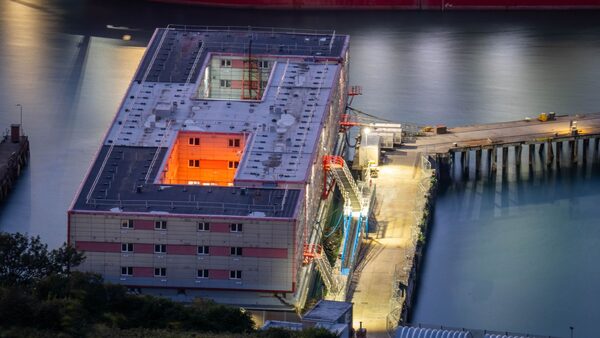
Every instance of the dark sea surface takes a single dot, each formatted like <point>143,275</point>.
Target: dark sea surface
<point>518,253</point>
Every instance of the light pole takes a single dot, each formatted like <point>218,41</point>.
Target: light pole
<point>21,115</point>
<point>570,327</point>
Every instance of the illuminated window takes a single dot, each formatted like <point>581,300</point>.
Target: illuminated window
<point>193,182</point>
<point>234,142</point>
<point>235,274</point>
<point>160,248</point>
<point>126,247</point>
<point>226,83</point>
<point>235,227</point>
<point>160,225</point>
<point>126,271</point>
<point>160,272</point>
<point>194,163</point>
<point>202,273</point>
<point>236,251</point>
<point>203,250</point>
<point>194,141</point>
<point>203,226</point>
<point>233,164</point>
<point>127,224</point>
<point>225,63</point>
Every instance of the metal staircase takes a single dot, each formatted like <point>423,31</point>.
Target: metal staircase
<point>337,166</point>
<point>326,271</point>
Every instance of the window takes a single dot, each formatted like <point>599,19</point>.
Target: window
<point>160,225</point>
<point>126,247</point>
<point>202,273</point>
<point>263,64</point>
<point>160,248</point>
<point>225,63</point>
<point>234,142</point>
<point>233,164</point>
<point>264,84</point>
<point>235,227</point>
<point>160,272</point>
<point>225,83</point>
<point>203,226</point>
<point>127,223</point>
<point>203,250</point>
<point>126,271</point>
<point>235,274</point>
<point>194,163</point>
<point>194,182</point>
<point>194,141</point>
<point>236,251</point>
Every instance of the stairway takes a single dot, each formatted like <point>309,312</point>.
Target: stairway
<point>326,271</point>
<point>338,167</point>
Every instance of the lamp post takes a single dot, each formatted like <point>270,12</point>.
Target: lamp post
<point>21,115</point>
<point>571,328</point>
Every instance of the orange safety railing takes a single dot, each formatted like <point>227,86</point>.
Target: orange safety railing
<point>311,251</point>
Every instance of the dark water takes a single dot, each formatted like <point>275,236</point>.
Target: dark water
<point>516,254</point>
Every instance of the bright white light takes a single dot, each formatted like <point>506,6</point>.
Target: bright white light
<point>367,130</point>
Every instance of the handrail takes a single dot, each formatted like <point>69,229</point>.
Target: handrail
<point>281,30</point>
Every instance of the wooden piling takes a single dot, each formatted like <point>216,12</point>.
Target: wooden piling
<point>494,159</point>
<point>559,147</point>
<point>518,153</point>
<point>478,160</point>
<point>531,154</point>
<point>586,147</point>
<point>504,158</point>
<point>549,154</point>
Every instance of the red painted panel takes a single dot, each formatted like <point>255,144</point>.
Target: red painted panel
<point>143,271</point>
<point>236,84</point>
<point>143,248</point>
<point>142,224</point>
<point>177,249</point>
<point>98,246</point>
<point>219,227</point>
<point>218,274</point>
<point>219,251</point>
<point>237,63</point>
<point>265,252</point>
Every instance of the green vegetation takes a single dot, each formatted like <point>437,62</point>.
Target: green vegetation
<point>40,296</point>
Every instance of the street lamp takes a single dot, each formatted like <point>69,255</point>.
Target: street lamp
<point>21,115</point>
<point>570,327</point>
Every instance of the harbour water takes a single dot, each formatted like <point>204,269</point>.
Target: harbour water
<point>512,254</point>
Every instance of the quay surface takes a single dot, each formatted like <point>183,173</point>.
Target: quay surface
<point>486,136</point>
<point>14,155</point>
<point>388,255</point>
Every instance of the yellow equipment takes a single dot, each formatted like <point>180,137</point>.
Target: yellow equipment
<point>543,117</point>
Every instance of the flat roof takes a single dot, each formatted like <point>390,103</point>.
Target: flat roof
<point>283,127</point>
<point>327,311</point>
<point>125,171</point>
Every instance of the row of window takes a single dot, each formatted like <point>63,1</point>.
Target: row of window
<point>232,142</point>
<point>196,164</point>
<point>162,272</point>
<point>202,226</point>
<point>227,83</point>
<point>261,63</point>
<point>202,249</point>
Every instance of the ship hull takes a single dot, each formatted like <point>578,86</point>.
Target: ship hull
<point>396,4</point>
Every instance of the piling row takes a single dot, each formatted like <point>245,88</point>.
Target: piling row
<point>550,152</point>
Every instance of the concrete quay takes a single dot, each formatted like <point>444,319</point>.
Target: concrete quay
<point>387,257</point>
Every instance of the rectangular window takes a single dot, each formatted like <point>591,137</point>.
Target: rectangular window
<point>234,142</point>
<point>202,273</point>
<point>160,248</point>
<point>160,272</point>
<point>126,247</point>
<point>225,83</point>
<point>126,271</point>
<point>236,251</point>
<point>194,141</point>
<point>160,225</point>
<point>127,224</point>
<point>233,164</point>
<point>194,163</point>
<point>235,227</point>
<point>203,250</point>
<point>203,226</point>
<point>263,64</point>
<point>225,63</point>
<point>235,274</point>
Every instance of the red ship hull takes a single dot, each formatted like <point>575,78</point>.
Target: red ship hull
<point>396,4</point>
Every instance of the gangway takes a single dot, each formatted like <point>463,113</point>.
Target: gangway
<point>339,169</point>
<point>314,253</point>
